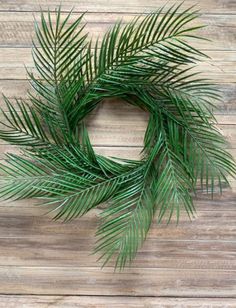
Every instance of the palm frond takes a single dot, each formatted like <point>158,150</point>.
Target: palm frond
<point>18,177</point>
<point>157,40</point>
<point>59,56</point>
<point>125,224</point>
<point>74,195</point>
<point>23,126</point>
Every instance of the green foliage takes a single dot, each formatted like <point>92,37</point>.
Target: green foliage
<point>148,63</point>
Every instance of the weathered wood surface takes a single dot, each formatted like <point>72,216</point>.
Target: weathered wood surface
<point>114,6</point>
<point>40,257</point>
<point>17,28</point>
<point>221,66</point>
<point>114,301</point>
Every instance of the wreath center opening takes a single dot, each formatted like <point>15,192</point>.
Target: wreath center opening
<point>117,128</point>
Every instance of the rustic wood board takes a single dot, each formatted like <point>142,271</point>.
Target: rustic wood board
<point>114,6</point>
<point>16,29</point>
<point>31,301</point>
<point>43,262</point>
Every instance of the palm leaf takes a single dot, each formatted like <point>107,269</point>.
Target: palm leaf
<point>24,126</point>
<point>125,224</point>
<point>59,56</point>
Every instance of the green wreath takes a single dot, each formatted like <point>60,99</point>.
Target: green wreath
<point>148,63</point>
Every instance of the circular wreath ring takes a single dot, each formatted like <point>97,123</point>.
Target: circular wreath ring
<point>148,63</point>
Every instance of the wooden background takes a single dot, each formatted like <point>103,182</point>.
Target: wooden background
<point>45,263</point>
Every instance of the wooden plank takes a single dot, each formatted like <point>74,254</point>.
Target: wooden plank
<point>203,202</point>
<point>12,301</point>
<point>136,282</point>
<point>117,109</point>
<point>116,6</point>
<point>221,68</point>
<point>29,238</point>
<point>19,221</point>
<point>16,29</point>
<point>19,88</point>
<point>17,57</point>
<point>76,251</point>
<point>222,72</point>
<point>218,72</point>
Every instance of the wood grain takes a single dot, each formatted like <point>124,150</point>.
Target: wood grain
<point>22,221</point>
<point>112,301</point>
<point>76,251</point>
<point>220,68</point>
<point>137,282</point>
<point>18,88</point>
<point>115,6</point>
<point>16,29</point>
<point>29,237</point>
<point>226,107</point>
